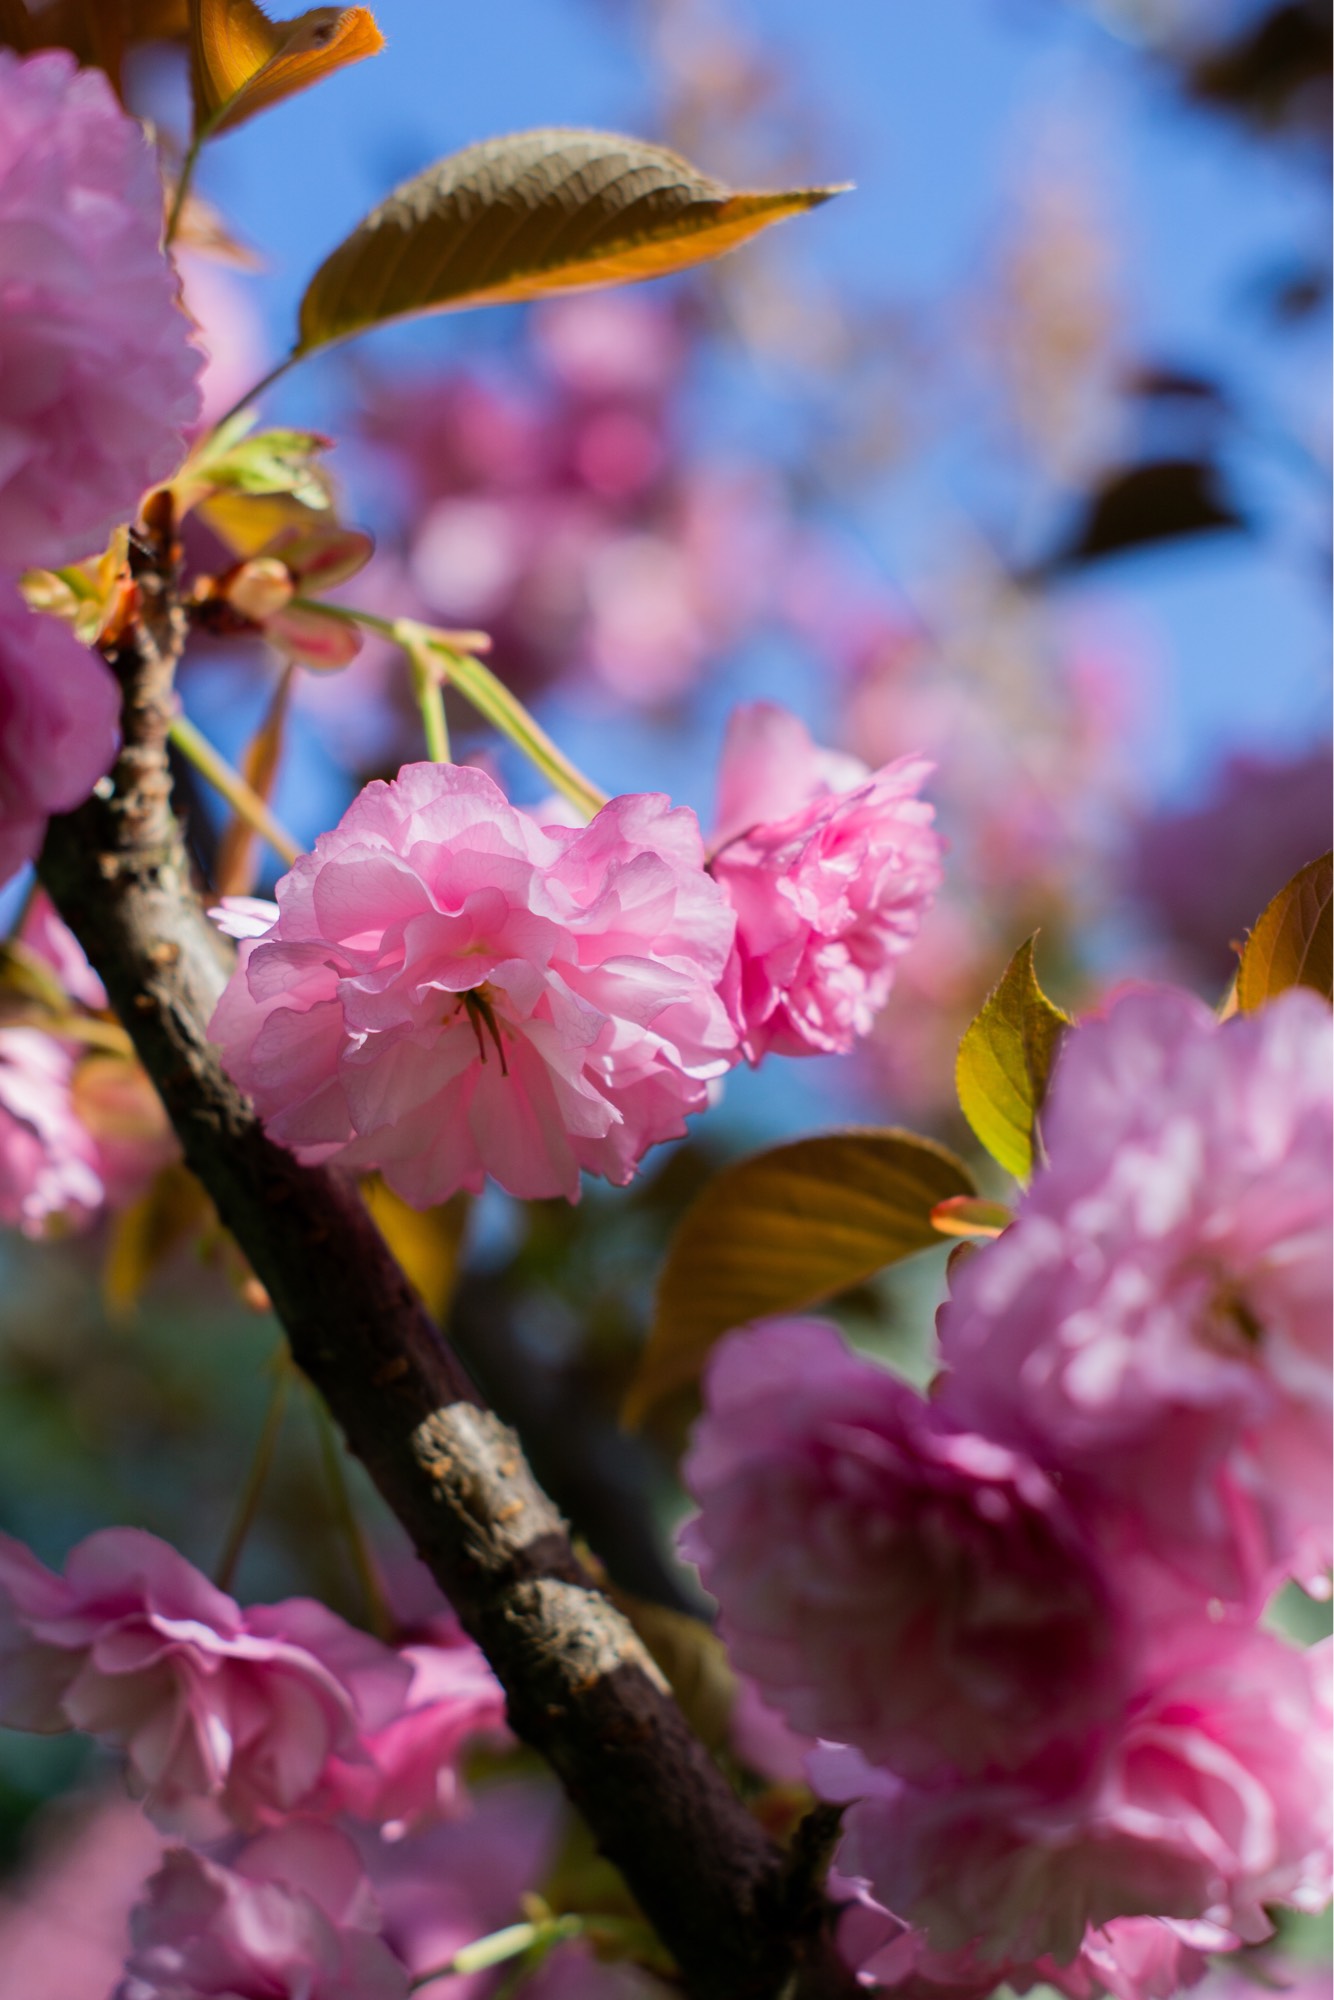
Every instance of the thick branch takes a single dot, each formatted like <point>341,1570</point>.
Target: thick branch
<point>580,1687</point>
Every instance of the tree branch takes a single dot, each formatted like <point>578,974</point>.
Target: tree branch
<point>580,1687</point>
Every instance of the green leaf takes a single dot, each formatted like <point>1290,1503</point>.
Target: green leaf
<point>1293,942</point>
<point>1004,1061</point>
<point>777,1232</point>
<point>519,217</point>
<point>270,462</point>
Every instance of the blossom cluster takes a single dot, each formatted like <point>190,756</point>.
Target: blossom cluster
<point>98,378</point>
<point>1019,1617</point>
<point>447,990</point>
<point>316,1836</point>
<point>98,383</point>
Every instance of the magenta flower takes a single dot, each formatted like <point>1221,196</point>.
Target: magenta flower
<point>1156,1323</point>
<point>452,991</point>
<point>408,1771</point>
<point>59,716</point>
<point>830,869</point>
<point>293,1918</point>
<point>98,375</point>
<point>48,1162</point>
<point>1212,1802</point>
<point>888,1581</point>
<point>220,1712</point>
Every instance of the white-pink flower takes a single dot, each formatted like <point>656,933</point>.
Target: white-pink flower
<point>1156,1324</point>
<point>48,1162</point>
<point>59,717</point>
<point>452,991</point>
<point>98,376</point>
<point>830,868</point>
<point>293,1918</point>
<point>220,1712</point>
<point>891,1582</point>
<point>1212,1802</point>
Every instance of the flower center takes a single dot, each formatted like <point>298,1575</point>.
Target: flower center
<point>479,1005</point>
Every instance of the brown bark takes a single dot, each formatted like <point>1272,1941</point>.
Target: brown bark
<point>580,1687</point>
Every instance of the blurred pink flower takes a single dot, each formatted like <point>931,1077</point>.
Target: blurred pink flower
<point>1212,1802</point>
<point>131,1135</point>
<point>45,933</point>
<point>461,1879</point>
<point>452,991</point>
<point>219,1712</point>
<point>98,376</point>
<point>48,1162</point>
<point>889,1582</point>
<point>293,1918</point>
<point>1131,1958</point>
<point>64,1915</point>
<point>59,716</point>
<point>829,868</point>
<point>408,1770</point>
<point>1156,1322</point>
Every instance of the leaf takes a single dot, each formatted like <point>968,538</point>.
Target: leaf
<point>968,1216</point>
<point>1156,502</point>
<point>1004,1060</point>
<point>1293,942</point>
<point>538,212</point>
<point>144,1235</point>
<point>426,1242</point>
<point>247,523</point>
<point>286,462</point>
<point>242,62</point>
<point>778,1232</point>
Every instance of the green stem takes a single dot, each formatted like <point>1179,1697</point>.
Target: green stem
<point>244,800</point>
<point>345,1514</point>
<point>247,1506</point>
<point>513,1942</point>
<point>256,390</point>
<point>184,178</point>
<point>488,694</point>
<point>429,688</point>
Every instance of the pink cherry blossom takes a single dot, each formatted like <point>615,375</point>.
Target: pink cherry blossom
<point>408,1770</point>
<point>220,1712</point>
<point>1156,1323</point>
<point>830,868</point>
<point>49,938</point>
<point>461,1879</point>
<point>1131,1958</point>
<point>98,376</point>
<point>124,1118</point>
<point>59,714</point>
<point>64,1914</point>
<point>48,1162</point>
<point>890,1582</point>
<point>293,1918</point>
<point>452,991</point>
<point>1212,1803</point>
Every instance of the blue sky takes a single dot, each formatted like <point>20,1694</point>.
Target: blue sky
<point>927,108</point>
